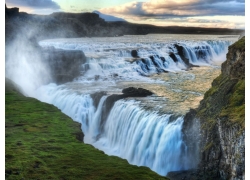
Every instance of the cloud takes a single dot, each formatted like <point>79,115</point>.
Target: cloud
<point>200,21</point>
<point>35,4</point>
<point>179,8</point>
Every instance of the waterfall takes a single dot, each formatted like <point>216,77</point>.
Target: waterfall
<point>110,59</point>
<point>142,137</point>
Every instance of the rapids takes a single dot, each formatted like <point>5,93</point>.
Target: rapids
<point>145,131</point>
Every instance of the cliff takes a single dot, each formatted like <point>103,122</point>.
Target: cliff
<point>66,25</point>
<point>43,143</point>
<point>222,118</point>
<point>215,131</point>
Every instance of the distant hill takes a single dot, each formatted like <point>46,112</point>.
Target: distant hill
<point>108,18</point>
<point>72,25</point>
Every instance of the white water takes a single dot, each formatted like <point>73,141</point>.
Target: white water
<point>143,137</point>
<point>110,58</point>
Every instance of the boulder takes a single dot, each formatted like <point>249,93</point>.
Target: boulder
<point>134,92</point>
<point>134,54</point>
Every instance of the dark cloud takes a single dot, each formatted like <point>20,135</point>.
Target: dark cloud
<point>36,4</point>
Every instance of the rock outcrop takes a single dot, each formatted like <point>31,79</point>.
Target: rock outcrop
<point>111,99</point>
<point>221,122</point>
<point>65,65</point>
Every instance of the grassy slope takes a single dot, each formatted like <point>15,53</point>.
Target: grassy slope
<point>226,98</point>
<point>40,143</point>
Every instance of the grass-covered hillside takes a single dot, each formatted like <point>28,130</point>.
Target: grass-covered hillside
<point>42,143</point>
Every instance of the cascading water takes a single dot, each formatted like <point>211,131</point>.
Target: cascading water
<point>106,60</point>
<point>143,137</point>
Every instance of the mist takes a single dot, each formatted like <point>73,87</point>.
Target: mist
<point>24,63</point>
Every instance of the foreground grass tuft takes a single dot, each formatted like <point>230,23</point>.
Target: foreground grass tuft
<point>41,143</point>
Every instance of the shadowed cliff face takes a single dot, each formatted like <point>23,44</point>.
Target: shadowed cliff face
<point>221,117</point>
<point>66,25</point>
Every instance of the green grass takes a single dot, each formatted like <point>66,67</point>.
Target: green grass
<point>240,44</point>
<point>41,143</point>
<point>235,109</point>
<point>224,100</point>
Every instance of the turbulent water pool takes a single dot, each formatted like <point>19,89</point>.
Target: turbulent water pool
<point>140,130</point>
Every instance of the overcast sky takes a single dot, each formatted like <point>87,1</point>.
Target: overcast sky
<point>199,13</point>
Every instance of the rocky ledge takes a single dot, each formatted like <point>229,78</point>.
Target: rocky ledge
<point>215,131</point>
<point>111,99</point>
<point>65,65</point>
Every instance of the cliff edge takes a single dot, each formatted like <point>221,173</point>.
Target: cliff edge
<point>43,143</point>
<point>222,120</point>
<point>215,131</point>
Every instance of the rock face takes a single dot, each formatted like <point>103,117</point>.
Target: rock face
<point>221,117</point>
<point>181,53</point>
<point>66,25</point>
<point>11,11</point>
<point>110,101</point>
<point>65,64</point>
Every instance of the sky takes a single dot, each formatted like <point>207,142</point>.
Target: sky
<point>195,13</point>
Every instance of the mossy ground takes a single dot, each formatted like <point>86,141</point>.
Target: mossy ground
<point>235,109</point>
<point>40,143</point>
<point>240,44</point>
<point>225,99</point>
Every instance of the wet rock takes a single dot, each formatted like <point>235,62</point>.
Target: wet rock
<point>220,136</point>
<point>172,55</point>
<point>134,92</point>
<point>127,92</point>
<point>180,50</point>
<point>63,78</point>
<point>183,175</point>
<point>79,135</point>
<point>97,97</point>
<point>65,65</point>
<point>134,54</point>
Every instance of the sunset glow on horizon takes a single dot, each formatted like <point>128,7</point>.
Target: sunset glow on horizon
<point>189,13</point>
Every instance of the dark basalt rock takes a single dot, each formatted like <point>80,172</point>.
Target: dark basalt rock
<point>172,55</point>
<point>10,12</point>
<point>134,54</point>
<point>127,92</point>
<point>97,97</point>
<point>65,64</point>
<point>110,101</point>
<point>215,131</point>
<point>134,92</point>
<point>79,135</point>
<point>63,78</point>
<point>183,175</point>
<point>180,50</point>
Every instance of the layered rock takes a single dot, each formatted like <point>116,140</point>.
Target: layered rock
<point>221,122</point>
<point>110,101</point>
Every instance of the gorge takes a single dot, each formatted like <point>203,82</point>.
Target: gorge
<point>132,96</point>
